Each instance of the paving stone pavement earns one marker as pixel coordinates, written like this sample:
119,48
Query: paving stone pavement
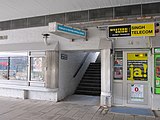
18,109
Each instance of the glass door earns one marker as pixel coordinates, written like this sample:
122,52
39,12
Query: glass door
136,87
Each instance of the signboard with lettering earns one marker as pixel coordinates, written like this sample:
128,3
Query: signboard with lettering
157,50
4,37
137,93
120,31
132,30
157,71
67,31
137,66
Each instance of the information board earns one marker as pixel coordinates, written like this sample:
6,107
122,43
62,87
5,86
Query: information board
137,93
132,30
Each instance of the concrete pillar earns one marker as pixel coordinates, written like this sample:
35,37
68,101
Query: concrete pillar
105,77
52,72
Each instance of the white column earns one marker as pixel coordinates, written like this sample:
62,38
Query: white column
105,77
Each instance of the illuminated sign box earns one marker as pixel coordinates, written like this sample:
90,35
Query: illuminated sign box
67,31
132,30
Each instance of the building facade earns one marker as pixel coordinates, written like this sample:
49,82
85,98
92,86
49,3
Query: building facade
35,67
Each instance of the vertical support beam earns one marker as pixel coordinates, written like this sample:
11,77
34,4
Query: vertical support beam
29,68
105,77
52,69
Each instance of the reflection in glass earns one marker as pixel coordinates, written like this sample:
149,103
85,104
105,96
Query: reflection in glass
37,68
118,65
4,68
18,68
13,65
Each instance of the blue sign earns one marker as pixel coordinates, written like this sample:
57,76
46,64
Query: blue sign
70,30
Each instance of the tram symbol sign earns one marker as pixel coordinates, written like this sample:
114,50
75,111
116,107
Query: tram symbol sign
136,89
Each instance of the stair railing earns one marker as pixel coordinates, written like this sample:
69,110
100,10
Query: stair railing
80,66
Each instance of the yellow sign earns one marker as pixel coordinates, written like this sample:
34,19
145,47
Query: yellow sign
137,56
132,30
146,29
137,66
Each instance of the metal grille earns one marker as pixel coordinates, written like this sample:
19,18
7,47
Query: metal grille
152,8
20,23
80,16
84,16
101,14
55,18
6,25
128,11
36,21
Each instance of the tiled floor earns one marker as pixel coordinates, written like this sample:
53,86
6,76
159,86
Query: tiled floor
17,109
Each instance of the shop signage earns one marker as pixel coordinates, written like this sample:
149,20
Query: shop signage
157,70
4,37
137,93
132,30
70,30
157,50
67,31
137,66
120,31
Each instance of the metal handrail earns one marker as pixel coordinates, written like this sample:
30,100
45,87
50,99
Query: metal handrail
84,59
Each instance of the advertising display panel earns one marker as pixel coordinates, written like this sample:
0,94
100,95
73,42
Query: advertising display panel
137,93
132,30
137,66
157,71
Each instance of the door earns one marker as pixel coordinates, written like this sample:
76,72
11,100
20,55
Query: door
135,79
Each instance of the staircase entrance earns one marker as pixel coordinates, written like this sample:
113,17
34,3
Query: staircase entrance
91,81
86,79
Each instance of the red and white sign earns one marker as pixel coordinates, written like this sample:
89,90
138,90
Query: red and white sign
136,89
137,93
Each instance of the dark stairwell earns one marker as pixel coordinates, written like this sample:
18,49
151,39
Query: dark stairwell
91,81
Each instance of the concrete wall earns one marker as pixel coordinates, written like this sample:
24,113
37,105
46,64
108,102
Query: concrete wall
28,92
18,38
29,35
42,95
134,42
67,69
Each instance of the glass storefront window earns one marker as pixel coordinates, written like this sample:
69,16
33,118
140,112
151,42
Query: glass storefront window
18,68
4,68
37,68
13,66
118,65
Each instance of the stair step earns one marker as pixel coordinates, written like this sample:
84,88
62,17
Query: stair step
92,72
92,77
92,69
95,64
83,92
89,88
90,84
91,65
90,81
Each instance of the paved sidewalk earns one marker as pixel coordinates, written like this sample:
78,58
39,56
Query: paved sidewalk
18,109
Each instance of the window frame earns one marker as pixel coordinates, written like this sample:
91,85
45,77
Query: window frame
32,54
